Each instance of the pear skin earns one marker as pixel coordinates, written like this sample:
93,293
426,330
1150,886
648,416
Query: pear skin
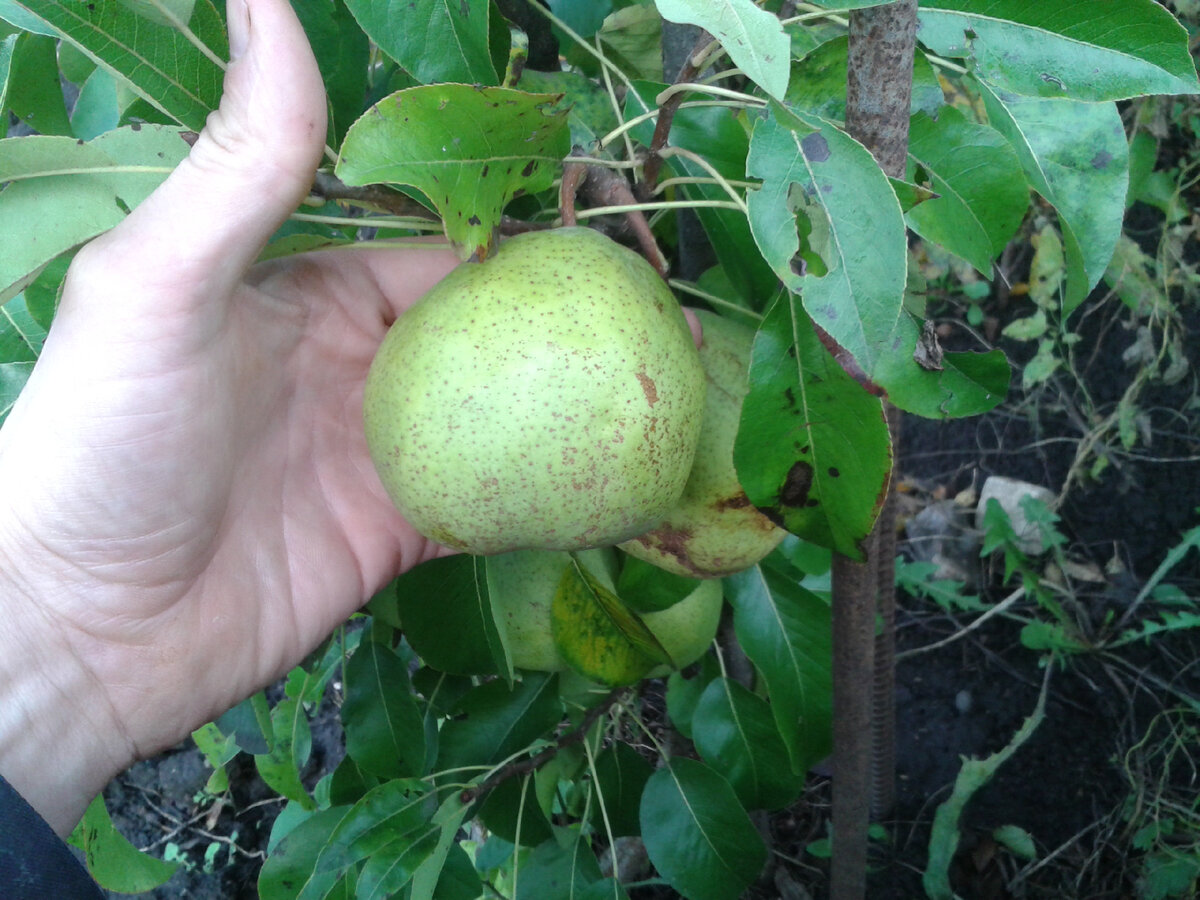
714,530
547,398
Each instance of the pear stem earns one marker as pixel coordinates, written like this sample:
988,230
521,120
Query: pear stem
604,187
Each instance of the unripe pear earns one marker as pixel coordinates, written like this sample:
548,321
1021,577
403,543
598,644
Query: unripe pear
688,628
714,530
547,398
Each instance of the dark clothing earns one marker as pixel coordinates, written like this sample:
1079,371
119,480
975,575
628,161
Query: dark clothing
35,863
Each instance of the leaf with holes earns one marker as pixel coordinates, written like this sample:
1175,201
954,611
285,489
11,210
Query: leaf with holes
470,150
808,220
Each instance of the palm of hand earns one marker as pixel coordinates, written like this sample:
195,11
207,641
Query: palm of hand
203,486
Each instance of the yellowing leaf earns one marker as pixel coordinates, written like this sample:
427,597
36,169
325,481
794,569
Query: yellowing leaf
597,634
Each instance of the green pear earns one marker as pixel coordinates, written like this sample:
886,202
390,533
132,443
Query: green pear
714,530
547,398
688,628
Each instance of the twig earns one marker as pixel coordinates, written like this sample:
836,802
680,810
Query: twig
666,113
532,763
603,188
329,187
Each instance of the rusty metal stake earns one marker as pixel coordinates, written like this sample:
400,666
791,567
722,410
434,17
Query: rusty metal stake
878,98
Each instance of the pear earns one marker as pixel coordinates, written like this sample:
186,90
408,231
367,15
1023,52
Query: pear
714,530
547,398
687,629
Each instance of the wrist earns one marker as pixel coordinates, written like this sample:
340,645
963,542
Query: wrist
60,741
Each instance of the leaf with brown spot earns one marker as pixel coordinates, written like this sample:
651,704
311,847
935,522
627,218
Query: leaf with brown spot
443,138
597,634
820,473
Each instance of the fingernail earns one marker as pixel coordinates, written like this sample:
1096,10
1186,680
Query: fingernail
237,15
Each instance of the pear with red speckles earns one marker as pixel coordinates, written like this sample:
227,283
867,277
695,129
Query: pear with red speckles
714,530
547,398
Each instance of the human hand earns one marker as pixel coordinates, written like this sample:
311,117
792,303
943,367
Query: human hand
189,507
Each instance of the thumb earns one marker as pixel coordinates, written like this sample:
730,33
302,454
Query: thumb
250,167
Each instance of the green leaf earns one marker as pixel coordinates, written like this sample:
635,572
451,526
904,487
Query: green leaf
1075,155
1016,840
243,724
621,775
856,264
7,47
684,692
434,40
598,635
1063,48
343,55
584,17
982,196
163,12
786,632
557,871
62,192
512,811
21,337
975,773
965,384
813,449
385,731
218,749
647,588
389,827
753,38
96,110
697,834
35,93
13,376
492,722
590,112
290,746
114,862
160,63
1027,329
16,14
470,150
427,882
446,610
290,867
458,879
736,734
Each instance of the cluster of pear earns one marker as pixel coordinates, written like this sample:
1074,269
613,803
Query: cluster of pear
552,398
